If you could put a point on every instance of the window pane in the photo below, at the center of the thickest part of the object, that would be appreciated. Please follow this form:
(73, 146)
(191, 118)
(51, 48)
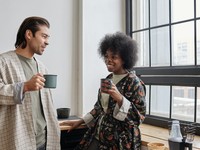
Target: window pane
(140, 12)
(160, 49)
(143, 44)
(183, 103)
(147, 99)
(198, 105)
(160, 101)
(182, 10)
(198, 8)
(198, 41)
(183, 44)
(159, 10)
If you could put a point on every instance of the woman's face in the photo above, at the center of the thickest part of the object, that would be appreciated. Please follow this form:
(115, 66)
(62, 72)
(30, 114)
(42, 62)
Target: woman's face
(114, 63)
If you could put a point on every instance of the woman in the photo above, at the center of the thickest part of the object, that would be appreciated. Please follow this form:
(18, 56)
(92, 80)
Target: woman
(113, 122)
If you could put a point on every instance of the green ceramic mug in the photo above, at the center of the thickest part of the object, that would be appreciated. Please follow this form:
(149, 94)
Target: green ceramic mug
(50, 81)
(105, 84)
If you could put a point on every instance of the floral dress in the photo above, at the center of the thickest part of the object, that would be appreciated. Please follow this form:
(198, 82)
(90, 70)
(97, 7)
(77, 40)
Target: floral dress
(114, 134)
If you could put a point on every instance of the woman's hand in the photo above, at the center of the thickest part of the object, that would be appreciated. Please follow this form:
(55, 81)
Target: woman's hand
(115, 94)
(72, 123)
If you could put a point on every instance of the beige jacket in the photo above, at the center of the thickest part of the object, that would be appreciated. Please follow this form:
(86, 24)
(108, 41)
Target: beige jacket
(16, 123)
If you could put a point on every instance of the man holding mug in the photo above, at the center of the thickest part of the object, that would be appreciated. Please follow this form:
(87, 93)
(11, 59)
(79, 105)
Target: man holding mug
(28, 119)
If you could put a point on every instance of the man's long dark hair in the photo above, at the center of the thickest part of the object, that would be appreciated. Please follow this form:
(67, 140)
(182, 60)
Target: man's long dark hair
(32, 24)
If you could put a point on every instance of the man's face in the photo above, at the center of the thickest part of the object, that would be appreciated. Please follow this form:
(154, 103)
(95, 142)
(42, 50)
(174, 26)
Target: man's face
(38, 43)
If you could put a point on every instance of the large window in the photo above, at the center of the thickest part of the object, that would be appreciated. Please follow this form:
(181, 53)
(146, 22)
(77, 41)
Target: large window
(168, 35)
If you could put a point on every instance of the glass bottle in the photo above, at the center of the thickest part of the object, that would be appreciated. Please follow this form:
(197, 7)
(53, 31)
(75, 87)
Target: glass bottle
(175, 133)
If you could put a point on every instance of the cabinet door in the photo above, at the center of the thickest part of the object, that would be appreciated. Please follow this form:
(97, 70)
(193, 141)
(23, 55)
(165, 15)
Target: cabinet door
(69, 140)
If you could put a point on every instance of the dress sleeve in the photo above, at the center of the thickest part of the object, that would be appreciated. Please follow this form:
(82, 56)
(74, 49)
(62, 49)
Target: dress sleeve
(88, 118)
(121, 113)
(136, 94)
(91, 117)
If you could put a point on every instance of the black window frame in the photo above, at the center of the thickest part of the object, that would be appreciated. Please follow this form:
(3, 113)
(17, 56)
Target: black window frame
(170, 76)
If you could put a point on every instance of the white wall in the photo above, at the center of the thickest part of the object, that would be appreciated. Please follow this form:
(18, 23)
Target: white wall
(76, 29)
(99, 18)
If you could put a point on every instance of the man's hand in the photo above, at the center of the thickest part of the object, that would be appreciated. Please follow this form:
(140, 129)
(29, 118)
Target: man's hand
(35, 83)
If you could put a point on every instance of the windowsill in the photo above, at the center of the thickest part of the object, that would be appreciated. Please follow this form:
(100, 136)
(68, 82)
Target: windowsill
(156, 134)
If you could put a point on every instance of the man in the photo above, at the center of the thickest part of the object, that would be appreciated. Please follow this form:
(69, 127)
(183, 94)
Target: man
(28, 120)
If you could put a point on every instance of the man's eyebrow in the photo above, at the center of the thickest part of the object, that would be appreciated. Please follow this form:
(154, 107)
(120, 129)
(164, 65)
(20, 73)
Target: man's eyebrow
(46, 34)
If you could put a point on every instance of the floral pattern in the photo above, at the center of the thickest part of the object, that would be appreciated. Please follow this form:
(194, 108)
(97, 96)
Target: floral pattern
(115, 134)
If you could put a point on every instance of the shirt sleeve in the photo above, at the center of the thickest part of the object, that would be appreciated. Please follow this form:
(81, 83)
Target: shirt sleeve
(88, 118)
(121, 113)
(18, 92)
